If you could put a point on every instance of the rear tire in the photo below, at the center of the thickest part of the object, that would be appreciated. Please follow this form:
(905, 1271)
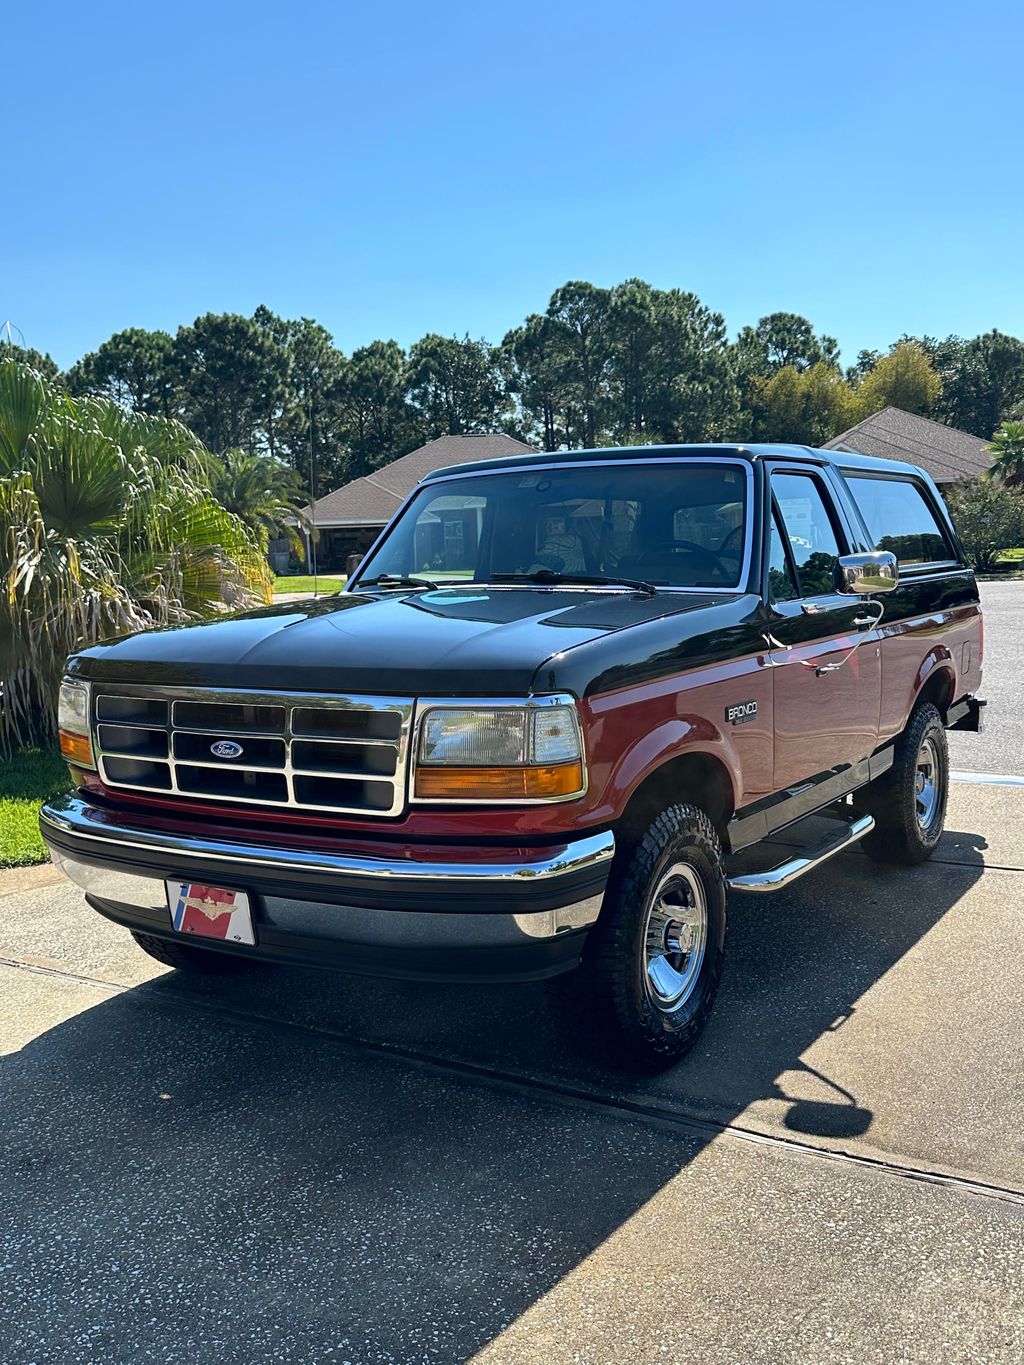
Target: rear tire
(185, 958)
(909, 801)
(652, 962)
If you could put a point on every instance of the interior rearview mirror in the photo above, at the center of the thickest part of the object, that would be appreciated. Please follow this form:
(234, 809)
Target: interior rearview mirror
(865, 575)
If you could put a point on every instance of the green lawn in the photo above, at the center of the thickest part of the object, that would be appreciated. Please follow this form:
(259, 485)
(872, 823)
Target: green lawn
(1013, 556)
(26, 780)
(303, 583)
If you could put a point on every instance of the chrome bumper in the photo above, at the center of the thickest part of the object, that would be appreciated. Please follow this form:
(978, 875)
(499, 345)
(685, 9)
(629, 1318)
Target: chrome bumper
(427, 903)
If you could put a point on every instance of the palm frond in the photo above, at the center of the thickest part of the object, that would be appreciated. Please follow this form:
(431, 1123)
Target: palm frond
(107, 526)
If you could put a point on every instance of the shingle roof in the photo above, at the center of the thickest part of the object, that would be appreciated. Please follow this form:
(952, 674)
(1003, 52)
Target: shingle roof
(373, 499)
(892, 434)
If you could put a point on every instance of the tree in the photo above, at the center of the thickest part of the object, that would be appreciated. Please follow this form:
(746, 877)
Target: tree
(780, 340)
(309, 431)
(134, 368)
(670, 372)
(233, 373)
(808, 407)
(28, 355)
(905, 378)
(989, 518)
(995, 364)
(863, 365)
(106, 527)
(1008, 447)
(261, 491)
(537, 373)
(579, 312)
(982, 379)
(696, 396)
(456, 385)
(378, 423)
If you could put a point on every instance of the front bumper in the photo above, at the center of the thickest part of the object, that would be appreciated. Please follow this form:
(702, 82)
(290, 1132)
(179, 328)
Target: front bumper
(484, 913)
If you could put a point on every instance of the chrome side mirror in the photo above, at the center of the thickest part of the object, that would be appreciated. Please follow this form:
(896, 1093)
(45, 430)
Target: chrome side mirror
(866, 575)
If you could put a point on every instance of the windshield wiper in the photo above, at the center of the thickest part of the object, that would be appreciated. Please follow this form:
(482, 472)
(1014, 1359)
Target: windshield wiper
(548, 577)
(396, 580)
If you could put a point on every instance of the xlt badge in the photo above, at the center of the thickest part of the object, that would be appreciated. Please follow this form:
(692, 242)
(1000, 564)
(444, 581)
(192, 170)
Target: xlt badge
(740, 712)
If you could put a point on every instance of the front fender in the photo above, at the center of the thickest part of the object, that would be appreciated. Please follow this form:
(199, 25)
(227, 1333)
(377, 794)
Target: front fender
(626, 752)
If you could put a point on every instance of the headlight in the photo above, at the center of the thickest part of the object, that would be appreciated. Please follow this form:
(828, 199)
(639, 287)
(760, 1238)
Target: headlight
(531, 751)
(73, 724)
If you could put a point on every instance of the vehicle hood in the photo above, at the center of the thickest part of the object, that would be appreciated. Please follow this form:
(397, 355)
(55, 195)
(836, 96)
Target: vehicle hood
(450, 641)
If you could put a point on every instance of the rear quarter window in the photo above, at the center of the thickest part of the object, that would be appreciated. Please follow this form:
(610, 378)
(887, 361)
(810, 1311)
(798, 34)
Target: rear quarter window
(899, 519)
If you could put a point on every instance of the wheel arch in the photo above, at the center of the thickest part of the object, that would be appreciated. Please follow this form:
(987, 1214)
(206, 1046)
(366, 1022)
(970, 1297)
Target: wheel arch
(696, 776)
(935, 681)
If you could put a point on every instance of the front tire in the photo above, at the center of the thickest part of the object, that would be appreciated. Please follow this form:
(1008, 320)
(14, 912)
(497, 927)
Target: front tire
(653, 961)
(909, 801)
(186, 958)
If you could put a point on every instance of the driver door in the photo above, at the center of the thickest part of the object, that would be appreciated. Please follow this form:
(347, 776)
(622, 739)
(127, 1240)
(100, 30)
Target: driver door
(825, 716)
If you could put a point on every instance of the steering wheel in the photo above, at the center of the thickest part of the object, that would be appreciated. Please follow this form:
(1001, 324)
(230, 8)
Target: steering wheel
(732, 542)
(714, 561)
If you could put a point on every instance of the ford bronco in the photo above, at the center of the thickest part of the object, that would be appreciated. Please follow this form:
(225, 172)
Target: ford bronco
(558, 696)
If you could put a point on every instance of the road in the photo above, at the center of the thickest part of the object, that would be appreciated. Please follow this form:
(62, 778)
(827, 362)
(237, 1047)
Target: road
(294, 1167)
(1001, 748)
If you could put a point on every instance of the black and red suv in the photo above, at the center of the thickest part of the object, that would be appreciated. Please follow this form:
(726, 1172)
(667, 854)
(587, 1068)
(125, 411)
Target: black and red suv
(557, 696)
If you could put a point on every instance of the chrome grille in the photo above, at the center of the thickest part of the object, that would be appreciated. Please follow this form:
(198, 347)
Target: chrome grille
(328, 753)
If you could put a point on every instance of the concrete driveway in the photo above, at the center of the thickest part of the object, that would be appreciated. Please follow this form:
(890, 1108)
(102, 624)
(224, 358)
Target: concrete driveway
(294, 1167)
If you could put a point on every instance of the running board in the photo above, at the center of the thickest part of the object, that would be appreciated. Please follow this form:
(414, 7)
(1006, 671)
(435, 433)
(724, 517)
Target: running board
(787, 873)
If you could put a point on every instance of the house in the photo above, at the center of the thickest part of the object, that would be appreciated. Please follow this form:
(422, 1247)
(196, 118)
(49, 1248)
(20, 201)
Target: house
(350, 519)
(947, 454)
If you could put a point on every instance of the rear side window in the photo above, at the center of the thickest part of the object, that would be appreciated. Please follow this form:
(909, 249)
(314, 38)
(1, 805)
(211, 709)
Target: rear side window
(899, 519)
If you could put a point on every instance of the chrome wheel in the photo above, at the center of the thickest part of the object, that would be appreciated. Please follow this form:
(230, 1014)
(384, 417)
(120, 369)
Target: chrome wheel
(675, 938)
(926, 784)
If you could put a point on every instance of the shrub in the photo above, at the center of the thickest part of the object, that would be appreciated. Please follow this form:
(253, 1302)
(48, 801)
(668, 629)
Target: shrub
(106, 527)
(989, 518)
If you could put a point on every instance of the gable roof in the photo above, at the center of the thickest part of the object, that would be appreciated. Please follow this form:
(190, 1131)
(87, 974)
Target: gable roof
(943, 452)
(373, 499)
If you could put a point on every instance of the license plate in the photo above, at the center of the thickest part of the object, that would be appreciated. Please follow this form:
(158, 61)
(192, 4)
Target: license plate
(203, 911)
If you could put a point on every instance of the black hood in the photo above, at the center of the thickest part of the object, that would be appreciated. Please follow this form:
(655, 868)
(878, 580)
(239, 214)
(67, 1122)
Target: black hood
(450, 641)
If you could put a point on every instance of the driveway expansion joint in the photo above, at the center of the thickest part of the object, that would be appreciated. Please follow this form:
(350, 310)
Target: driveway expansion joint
(540, 1088)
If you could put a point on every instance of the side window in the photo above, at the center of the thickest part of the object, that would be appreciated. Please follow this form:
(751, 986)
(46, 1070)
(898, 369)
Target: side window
(899, 519)
(782, 587)
(808, 527)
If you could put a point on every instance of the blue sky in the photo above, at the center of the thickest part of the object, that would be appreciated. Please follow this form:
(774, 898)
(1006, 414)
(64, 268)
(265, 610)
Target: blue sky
(396, 168)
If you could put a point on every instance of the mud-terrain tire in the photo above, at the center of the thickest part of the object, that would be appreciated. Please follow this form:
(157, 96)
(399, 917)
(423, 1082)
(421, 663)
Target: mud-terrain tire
(909, 801)
(185, 958)
(652, 962)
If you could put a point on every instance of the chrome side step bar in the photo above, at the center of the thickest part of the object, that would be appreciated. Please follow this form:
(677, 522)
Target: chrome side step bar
(786, 873)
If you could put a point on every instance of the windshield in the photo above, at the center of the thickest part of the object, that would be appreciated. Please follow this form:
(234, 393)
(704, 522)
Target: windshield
(676, 525)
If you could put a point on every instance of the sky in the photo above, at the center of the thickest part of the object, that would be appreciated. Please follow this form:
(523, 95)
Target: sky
(391, 169)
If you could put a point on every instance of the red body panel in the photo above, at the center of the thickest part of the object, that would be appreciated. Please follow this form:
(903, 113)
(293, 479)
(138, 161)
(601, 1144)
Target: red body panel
(950, 640)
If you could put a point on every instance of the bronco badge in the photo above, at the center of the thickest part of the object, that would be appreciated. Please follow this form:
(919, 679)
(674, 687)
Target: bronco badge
(740, 712)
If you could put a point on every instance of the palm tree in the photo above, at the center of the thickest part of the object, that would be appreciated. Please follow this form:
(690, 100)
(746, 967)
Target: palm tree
(1008, 447)
(106, 526)
(263, 491)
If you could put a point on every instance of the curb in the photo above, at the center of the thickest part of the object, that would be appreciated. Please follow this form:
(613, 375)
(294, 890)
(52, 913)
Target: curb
(15, 879)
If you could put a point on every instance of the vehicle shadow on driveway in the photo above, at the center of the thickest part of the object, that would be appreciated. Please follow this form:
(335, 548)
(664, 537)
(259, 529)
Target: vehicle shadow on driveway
(194, 1170)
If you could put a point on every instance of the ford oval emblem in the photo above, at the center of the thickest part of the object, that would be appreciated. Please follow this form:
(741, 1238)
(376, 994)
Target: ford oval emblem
(226, 748)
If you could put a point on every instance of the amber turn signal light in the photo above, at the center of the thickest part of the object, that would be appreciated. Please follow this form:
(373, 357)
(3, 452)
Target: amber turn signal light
(76, 748)
(498, 784)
